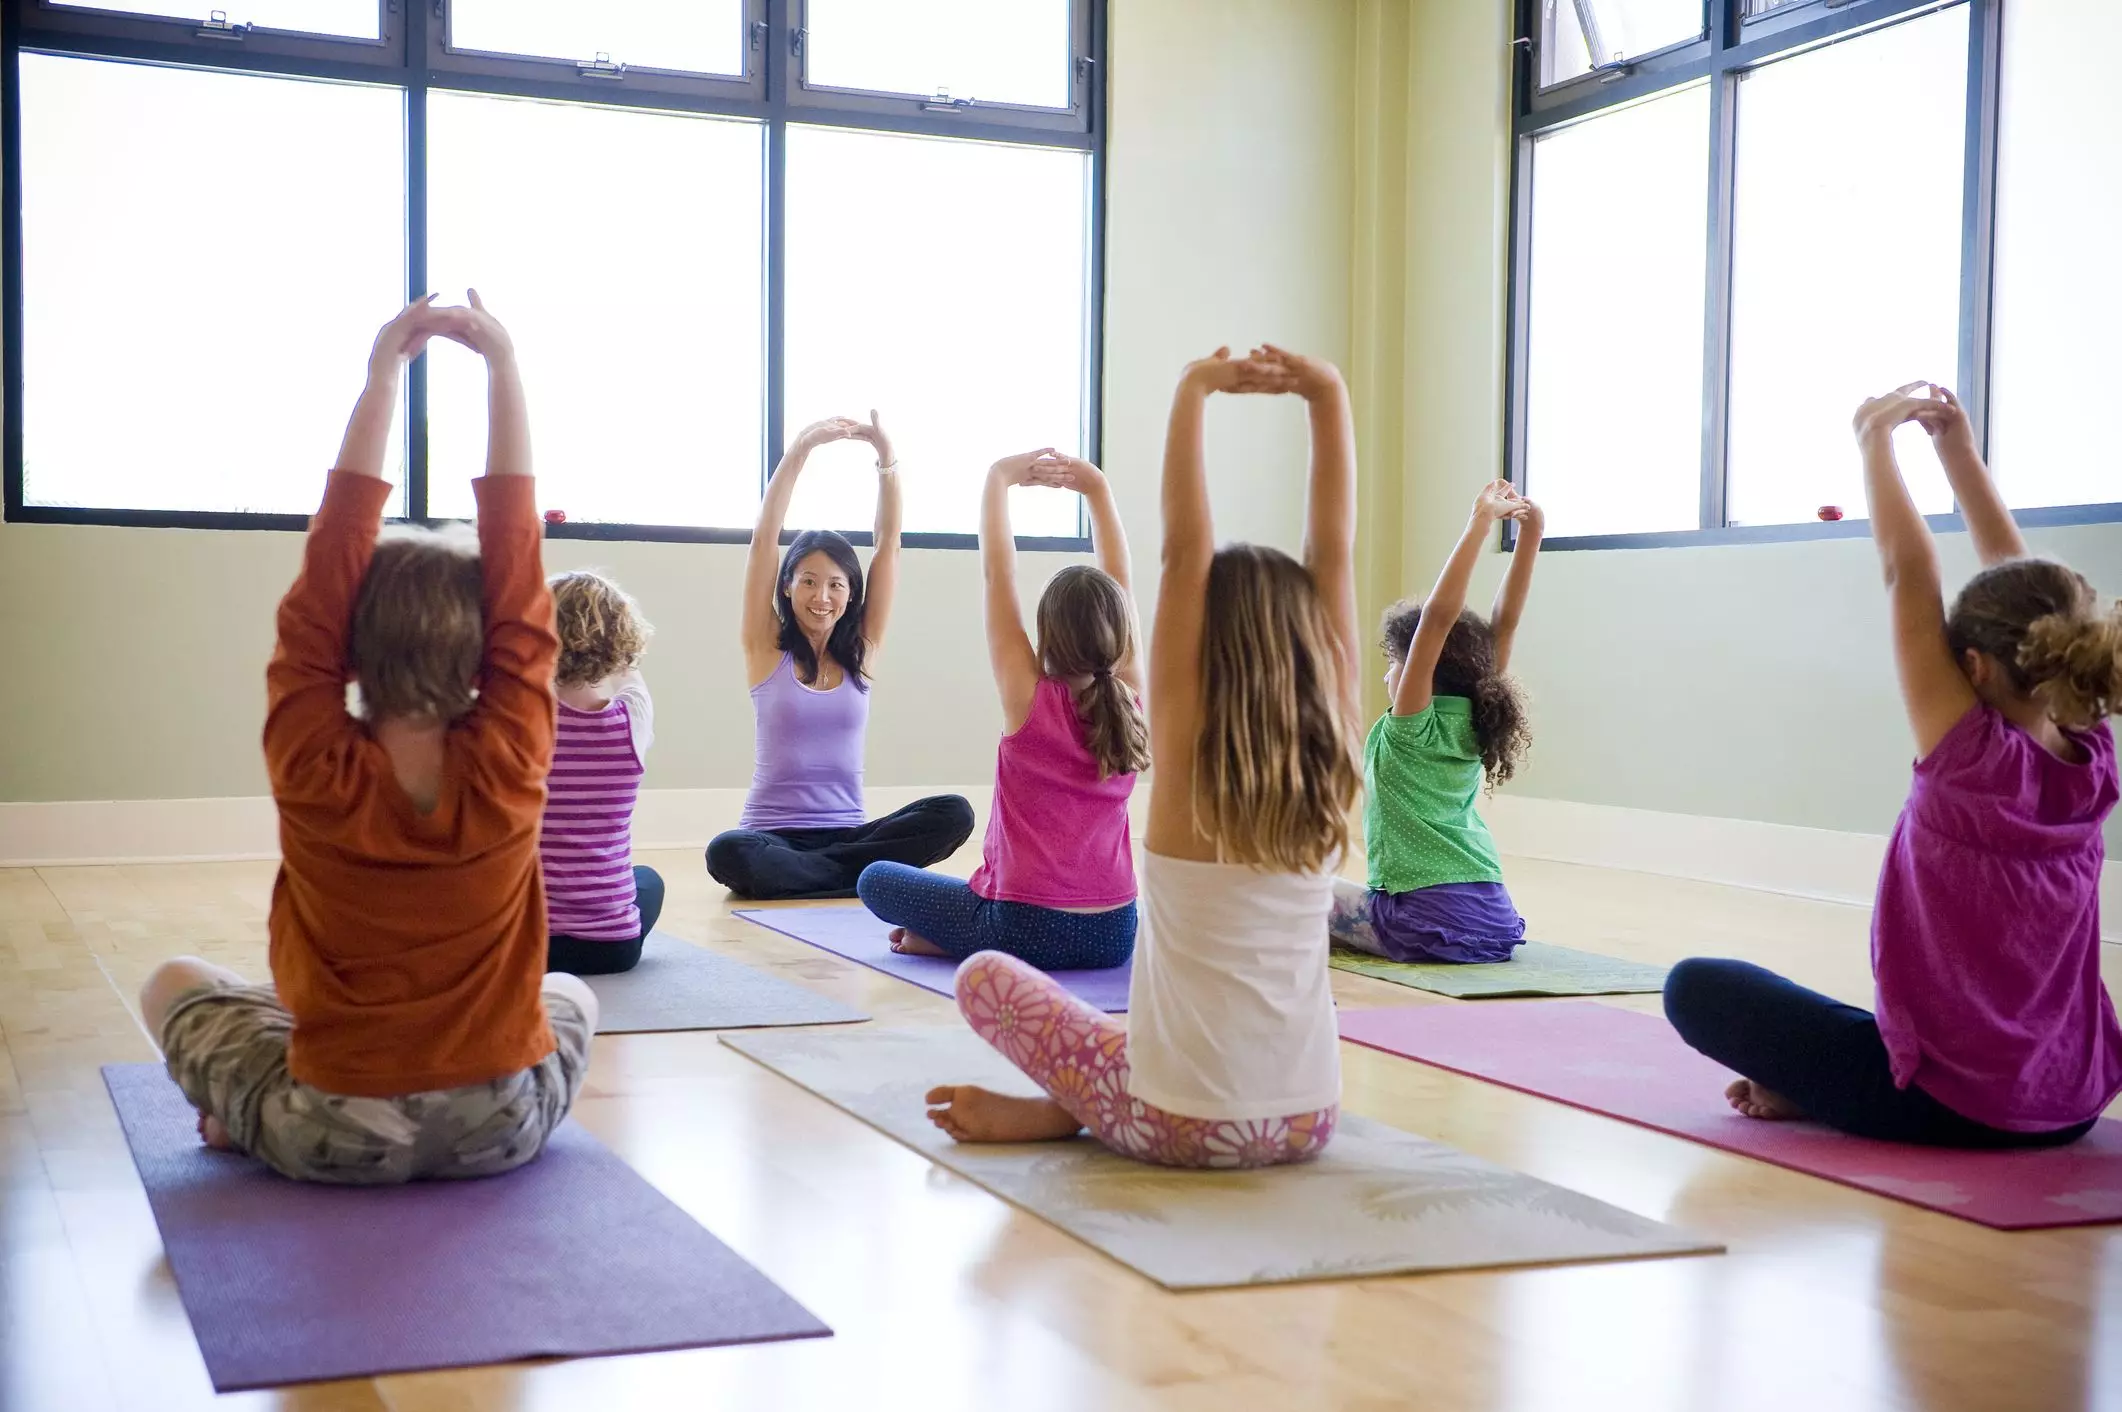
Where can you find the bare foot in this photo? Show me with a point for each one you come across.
(972, 1114)
(1754, 1101)
(907, 944)
(214, 1134)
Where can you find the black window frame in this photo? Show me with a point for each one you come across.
(1732, 44)
(412, 53)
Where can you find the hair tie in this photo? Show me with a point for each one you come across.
(1102, 674)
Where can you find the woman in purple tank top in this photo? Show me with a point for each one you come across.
(1992, 1028)
(1056, 883)
(808, 627)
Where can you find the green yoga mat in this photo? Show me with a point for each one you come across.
(1535, 968)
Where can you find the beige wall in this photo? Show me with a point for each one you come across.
(1747, 682)
(139, 654)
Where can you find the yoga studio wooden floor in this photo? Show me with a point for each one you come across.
(946, 1299)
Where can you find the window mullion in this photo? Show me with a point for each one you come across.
(416, 279)
(1716, 297)
(779, 62)
(1978, 211)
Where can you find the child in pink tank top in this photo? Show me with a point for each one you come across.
(1056, 882)
(1993, 1028)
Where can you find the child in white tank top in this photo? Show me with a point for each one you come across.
(1230, 1056)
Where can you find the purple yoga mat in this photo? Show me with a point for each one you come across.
(1635, 1067)
(855, 933)
(571, 1256)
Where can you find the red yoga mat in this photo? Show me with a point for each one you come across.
(1634, 1067)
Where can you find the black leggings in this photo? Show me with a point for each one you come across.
(1825, 1057)
(584, 957)
(779, 864)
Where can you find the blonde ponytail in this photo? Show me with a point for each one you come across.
(2073, 666)
(1113, 725)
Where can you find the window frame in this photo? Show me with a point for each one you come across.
(412, 55)
(1733, 45)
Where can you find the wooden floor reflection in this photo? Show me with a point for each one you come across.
(945, 1298)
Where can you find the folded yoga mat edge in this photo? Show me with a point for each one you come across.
(259, 1323)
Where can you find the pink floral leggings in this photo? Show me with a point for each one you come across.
(1079, 1056)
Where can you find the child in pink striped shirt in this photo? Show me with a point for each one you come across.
(600, 907)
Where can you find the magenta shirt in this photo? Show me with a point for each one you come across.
(1986, 939)
(1059, 835)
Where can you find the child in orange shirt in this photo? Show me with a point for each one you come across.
(410, 1030)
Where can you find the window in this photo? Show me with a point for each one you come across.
(1877, 191)
(968, 329)
(2058, 291)
(706, 223)
(1619, 223)
(636, 303)
(1816, 326)
(194, 328)
(1581, 35)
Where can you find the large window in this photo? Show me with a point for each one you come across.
(706, 222)
(1736, 220)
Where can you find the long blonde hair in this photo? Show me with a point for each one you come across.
(1087, 629)
(1275, 765)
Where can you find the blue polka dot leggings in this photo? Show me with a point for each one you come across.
(944, 910)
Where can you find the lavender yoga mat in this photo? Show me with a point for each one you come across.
(572, 1256)
(1635, 1067)
(855, 933)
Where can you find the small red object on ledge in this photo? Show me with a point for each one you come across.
(1827, 512)
(559, 517)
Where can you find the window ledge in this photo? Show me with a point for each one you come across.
(2037, 518)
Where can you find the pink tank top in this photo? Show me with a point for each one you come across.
(1058, 836)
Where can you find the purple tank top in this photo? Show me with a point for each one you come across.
(807, 753)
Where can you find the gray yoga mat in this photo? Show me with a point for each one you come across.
(1378, 1201)
(572, 1256)
(1535, 968)
(679, 986)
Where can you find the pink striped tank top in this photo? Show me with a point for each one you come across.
(586, 843)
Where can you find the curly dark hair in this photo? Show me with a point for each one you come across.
(1467, 667)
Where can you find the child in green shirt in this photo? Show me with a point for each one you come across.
(1436, 886)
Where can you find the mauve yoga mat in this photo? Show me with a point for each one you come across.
(679, 986)
(1635, 1067)
(572, 1256)
(855, 933)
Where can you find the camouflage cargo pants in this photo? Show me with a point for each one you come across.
(226, 1047)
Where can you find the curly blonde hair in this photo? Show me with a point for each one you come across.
(602, 632)
(1275, 767)
(2042, 622)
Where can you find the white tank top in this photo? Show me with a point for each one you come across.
(1230, 1014)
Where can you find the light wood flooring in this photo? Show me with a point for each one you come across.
(944, 1298)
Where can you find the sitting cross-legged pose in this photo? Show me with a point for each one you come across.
(1056, 883)
(1993, 1029)
(808, 630)
(1229, 1055)
(410, 1029)
(599, 906)
(1436, 885)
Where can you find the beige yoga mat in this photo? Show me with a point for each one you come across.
(1378, 1201)
(1535, 968)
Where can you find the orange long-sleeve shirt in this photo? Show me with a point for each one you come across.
(410, 947)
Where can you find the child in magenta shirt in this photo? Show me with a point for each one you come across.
(1056, 882)
(1993, 1028)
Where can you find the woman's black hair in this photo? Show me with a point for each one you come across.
(847, 643)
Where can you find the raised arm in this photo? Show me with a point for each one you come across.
(759, 626)
(306, 724)
(1447, 600)
(1009, 646)
(1330, 511)
(1509, 609)
(1989, 521)
(513, 720)
(882, 589)
(1108, 535)
(1933, 689)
